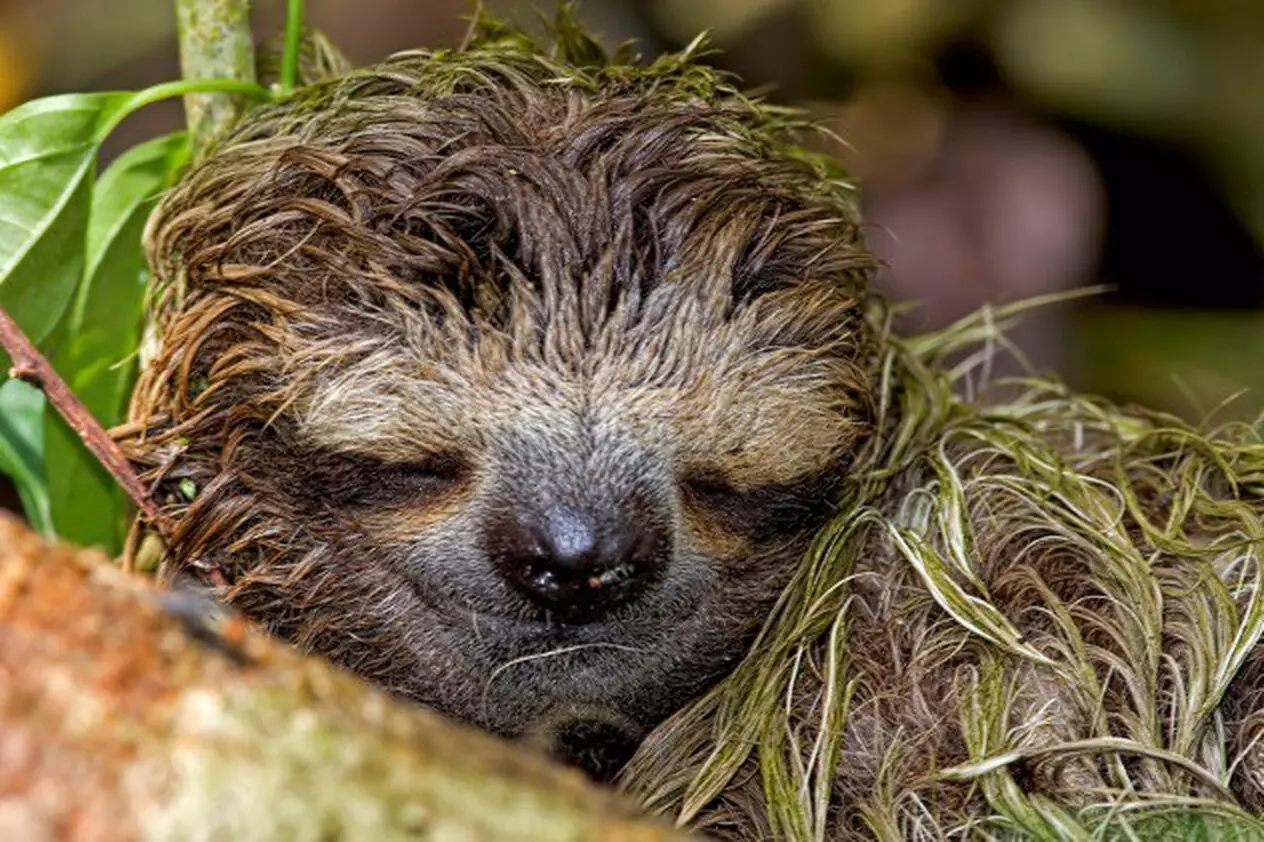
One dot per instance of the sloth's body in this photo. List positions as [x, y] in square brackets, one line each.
[522, 389]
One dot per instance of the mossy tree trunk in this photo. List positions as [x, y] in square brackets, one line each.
[126, 715]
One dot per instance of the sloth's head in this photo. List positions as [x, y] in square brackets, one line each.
[517, 387]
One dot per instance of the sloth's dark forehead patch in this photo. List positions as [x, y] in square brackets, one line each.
[472, 188]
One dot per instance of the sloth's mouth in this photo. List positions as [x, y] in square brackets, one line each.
[516, 623]
[532, 639]
[558, 661]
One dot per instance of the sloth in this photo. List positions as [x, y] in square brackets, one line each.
[548, 391]
[519, 398]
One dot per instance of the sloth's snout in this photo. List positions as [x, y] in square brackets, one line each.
[577, 564]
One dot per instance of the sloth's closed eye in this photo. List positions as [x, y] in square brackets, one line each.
[761, 509]
[361, 479]
[430, 473]
[711, 489]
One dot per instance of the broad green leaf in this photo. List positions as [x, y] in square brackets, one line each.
[21, 445]
[96, 357]
[47, 156]
[48, 150]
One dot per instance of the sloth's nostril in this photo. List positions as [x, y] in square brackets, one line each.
[577, 564]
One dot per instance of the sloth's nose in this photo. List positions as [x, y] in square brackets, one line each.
[577, 565]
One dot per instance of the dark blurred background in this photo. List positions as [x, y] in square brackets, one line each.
[1004, 148]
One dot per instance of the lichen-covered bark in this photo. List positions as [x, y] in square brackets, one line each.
[119, 721]
[215, 43]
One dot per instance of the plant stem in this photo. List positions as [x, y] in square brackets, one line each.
[293, 46]
[29, 365]
[215, 43]
[185, 88]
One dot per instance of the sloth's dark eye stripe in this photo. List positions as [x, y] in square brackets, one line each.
[765, 511]
[361, 479]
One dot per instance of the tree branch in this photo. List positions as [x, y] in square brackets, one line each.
[199, 728]
[29, 365]
[215, 43]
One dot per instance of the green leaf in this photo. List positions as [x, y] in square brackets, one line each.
[48, 150]
[21, 443]
[102, 332]
[47, 157]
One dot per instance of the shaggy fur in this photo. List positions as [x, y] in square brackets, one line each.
[1039, 619]
[431, 295]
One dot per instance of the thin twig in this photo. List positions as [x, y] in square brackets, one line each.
[29, 365]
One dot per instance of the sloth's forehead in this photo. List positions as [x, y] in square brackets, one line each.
[721, 397]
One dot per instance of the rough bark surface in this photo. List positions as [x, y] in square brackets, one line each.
[125, 715]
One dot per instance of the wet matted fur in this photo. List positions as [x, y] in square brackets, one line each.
[419, 299]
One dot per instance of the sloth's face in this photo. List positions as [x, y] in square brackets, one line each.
[522, 401]
[580, 543]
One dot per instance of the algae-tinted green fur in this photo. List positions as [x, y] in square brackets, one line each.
[1036, 617]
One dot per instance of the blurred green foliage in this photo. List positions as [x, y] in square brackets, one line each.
[73, 276]
[1191, 69]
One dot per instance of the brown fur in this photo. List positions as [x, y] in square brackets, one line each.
[460, 283]
[427, 294]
